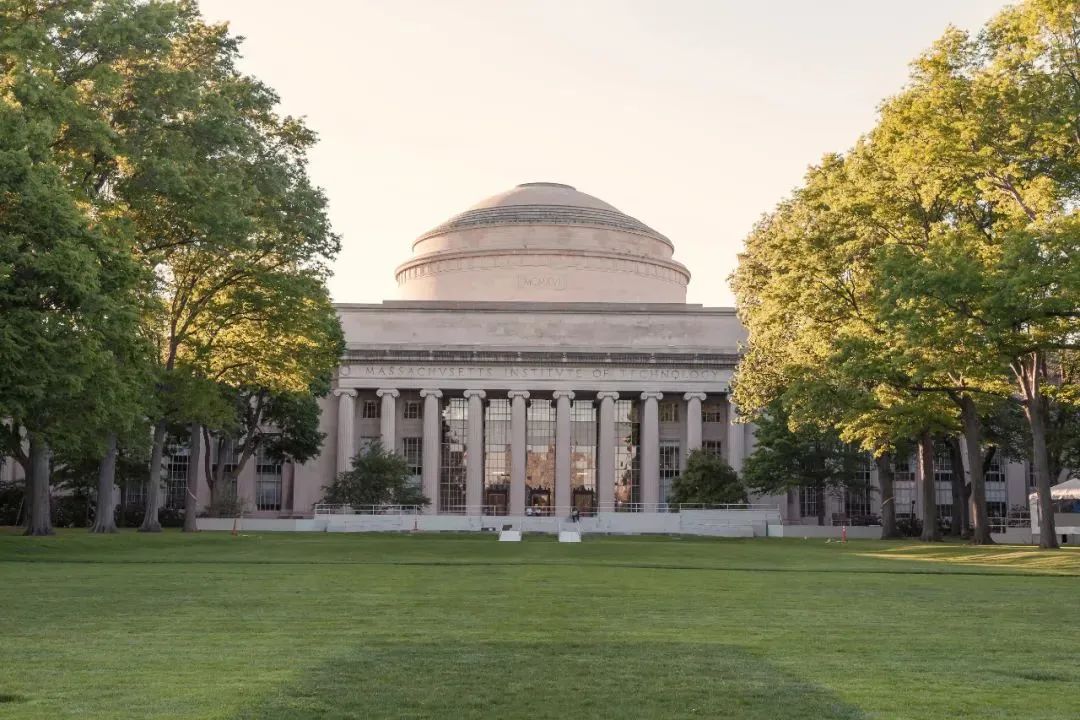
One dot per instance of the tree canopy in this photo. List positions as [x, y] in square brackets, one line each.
[933, 269]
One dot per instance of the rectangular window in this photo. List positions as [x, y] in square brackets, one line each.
[497, 457]
[412, 409]
[712, 413]
[904, 469]
[808, 502]
[1032, 480]
[583, 456]
[997, 494]
[627, 455]
[135, 494]
[267, 481]
[412, 449]
[713, 447]
[669, 412]
[175, 475]
[455, 427]
[943, 483]
[669, 468]
[540, 457]
[904, 486]
[857, 497]
[369, 409]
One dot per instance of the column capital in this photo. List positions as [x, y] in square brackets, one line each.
[694, 396]
[347, 392]
[470, 394]
[652, 396]
[523, 394]
[431, 393]
[607, 395]
[568, 394]
[382, 392]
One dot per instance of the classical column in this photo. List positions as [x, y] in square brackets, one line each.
[474, 453]
[562, 450]
[518, 442]
[650, 450]
[388, 418]
[605, 452]
[429, 478]
[736, 437]
[693, 420]
[346, 414]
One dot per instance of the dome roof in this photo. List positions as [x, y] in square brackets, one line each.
[544, 203]
[543, 242]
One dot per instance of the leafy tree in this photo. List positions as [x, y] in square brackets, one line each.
[806, 289]
[286, 425]
[989, 127]
[940, 255]
[378, 477]
[67, 308]
[707, 480]
[805, 458]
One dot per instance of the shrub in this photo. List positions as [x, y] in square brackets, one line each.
[377, 477]
[708, 480]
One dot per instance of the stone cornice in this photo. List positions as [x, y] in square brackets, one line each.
[515, 307]
[488, 258]
[545, 216]
[480, 357]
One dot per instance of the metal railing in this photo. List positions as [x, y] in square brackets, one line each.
[537, 511]
[330, 509]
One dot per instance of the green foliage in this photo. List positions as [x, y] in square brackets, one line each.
[937, 263]
[801, 457]
[158, 230]
[226, 505]
[377, 477]
[707, 480]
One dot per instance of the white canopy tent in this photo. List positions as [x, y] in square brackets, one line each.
[1066, 523]
[1068, 490]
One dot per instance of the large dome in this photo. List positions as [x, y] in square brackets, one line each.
[543, 242]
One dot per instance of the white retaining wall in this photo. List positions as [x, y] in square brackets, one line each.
[870, 532]
[263, 524]
[718, 523]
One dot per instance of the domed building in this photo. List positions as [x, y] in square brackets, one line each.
[543, 242]
[541, 358]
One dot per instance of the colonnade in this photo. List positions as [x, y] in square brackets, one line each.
[563, 399]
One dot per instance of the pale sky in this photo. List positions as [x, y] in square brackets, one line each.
[694, 116]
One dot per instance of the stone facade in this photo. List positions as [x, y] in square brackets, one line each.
[543, 242]
[542, 358]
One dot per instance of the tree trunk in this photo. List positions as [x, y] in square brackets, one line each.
[221, 490]
[930, 532]
[821, 506]
[888, 497]
[1036, 412]
[153, 483]
[980, 521]
[1030, 371]
[191, 495]
[105, 518]
[958, 525]
[38, 519]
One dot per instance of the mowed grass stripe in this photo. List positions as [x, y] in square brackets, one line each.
[414, 632]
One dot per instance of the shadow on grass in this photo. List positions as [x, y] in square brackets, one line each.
[545, 680]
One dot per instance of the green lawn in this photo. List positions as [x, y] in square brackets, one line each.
[380, 626]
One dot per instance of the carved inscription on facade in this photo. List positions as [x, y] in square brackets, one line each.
[526, 372]
[541, 282]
